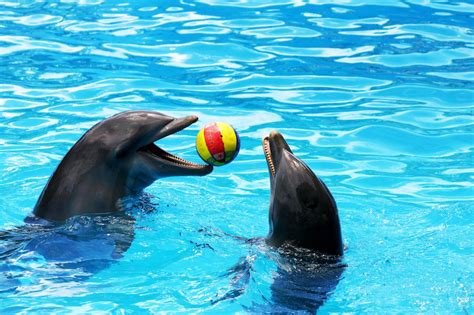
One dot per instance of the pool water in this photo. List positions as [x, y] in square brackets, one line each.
[375, 96]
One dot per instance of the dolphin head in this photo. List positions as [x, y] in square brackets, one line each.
[130, 136]
[302, 210]
[115, 158]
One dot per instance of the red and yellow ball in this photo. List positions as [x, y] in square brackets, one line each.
[218, 143]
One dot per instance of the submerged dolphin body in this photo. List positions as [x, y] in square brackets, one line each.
[69, 251]
[114, 159]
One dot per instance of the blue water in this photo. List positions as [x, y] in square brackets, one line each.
[376, 96]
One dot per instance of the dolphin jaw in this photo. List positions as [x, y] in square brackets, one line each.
[274, 146]
[156, 153]
[268, 156]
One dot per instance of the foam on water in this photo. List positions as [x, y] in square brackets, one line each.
[376, 96]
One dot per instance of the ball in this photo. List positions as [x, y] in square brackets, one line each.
[218, 143]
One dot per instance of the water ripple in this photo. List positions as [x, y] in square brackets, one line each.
[110, 87]
[438, 32]
[321, 52]
[456, 7]
[442, 57]
[132, 24]
[238, 23]
[389, 141]
[335, 23]
[281, 32]
[194, 54]
[24, 43]
[35, 19]
[468, 76]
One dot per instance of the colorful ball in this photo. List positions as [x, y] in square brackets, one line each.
[218, 143]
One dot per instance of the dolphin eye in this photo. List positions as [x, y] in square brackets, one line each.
[307, 197]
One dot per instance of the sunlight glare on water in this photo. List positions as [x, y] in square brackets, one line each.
[375, 96]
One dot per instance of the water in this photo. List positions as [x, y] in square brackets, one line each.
[376, 97]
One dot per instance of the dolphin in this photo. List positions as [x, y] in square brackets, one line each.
[304, 239]
[76, 225]
[303, 212]
[114, 159]
[305, 229]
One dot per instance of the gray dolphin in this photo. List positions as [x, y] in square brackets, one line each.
[115, 158]
[303, 213]
[305, 228]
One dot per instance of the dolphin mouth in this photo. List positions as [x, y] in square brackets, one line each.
[268, 155]
[155, 152]
[274, 147]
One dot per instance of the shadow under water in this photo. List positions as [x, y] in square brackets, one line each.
[69, 251]
[302, 282]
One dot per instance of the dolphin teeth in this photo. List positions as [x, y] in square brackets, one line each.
[268, 155]
[179, 160]
[158, 152]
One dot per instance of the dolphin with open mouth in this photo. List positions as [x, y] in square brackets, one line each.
[114, 159]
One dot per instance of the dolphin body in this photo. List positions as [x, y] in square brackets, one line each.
[303, 212]
[305, 229]
[76, 225]
[304, 240]
[114, 159]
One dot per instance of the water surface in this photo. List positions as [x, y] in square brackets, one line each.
[377, 97]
